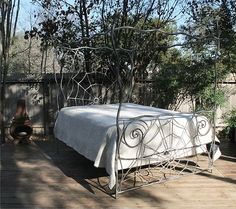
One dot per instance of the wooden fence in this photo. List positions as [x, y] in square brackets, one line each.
[41, 99]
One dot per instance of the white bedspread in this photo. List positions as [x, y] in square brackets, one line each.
[91, 130]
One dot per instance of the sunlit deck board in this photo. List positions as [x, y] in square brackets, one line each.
[34, 176]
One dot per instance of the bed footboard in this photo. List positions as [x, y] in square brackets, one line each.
[154, 149]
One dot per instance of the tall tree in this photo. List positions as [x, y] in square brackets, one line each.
[79, 23]
[8, 21]
[213, 23]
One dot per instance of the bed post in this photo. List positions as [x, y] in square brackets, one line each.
[120, 97]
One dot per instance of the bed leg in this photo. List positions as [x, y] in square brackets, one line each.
[116, 190]
[210, 166]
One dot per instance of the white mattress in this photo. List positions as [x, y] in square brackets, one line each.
[91, 131]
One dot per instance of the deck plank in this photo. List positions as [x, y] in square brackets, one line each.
[36, 176]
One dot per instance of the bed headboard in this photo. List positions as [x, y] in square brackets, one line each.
[83, 82]
[91, 75]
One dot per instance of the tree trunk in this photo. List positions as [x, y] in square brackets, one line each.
[6, 26]
[3, 68]
[4, 65]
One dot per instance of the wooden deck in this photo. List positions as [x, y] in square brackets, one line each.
[37, 176]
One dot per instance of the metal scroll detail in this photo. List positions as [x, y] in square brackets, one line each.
[153, 149]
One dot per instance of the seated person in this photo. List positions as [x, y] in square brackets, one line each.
[21, 128]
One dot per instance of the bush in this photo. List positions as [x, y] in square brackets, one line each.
[230, 120]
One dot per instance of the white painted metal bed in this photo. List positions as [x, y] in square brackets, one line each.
[148, 136]
[137, 145]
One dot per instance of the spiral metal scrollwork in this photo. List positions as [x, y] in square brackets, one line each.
[133, 133]
[203, 126]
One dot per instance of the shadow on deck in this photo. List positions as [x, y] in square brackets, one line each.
[38, 176]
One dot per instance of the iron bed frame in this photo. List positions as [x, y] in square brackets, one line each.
[110, 82]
